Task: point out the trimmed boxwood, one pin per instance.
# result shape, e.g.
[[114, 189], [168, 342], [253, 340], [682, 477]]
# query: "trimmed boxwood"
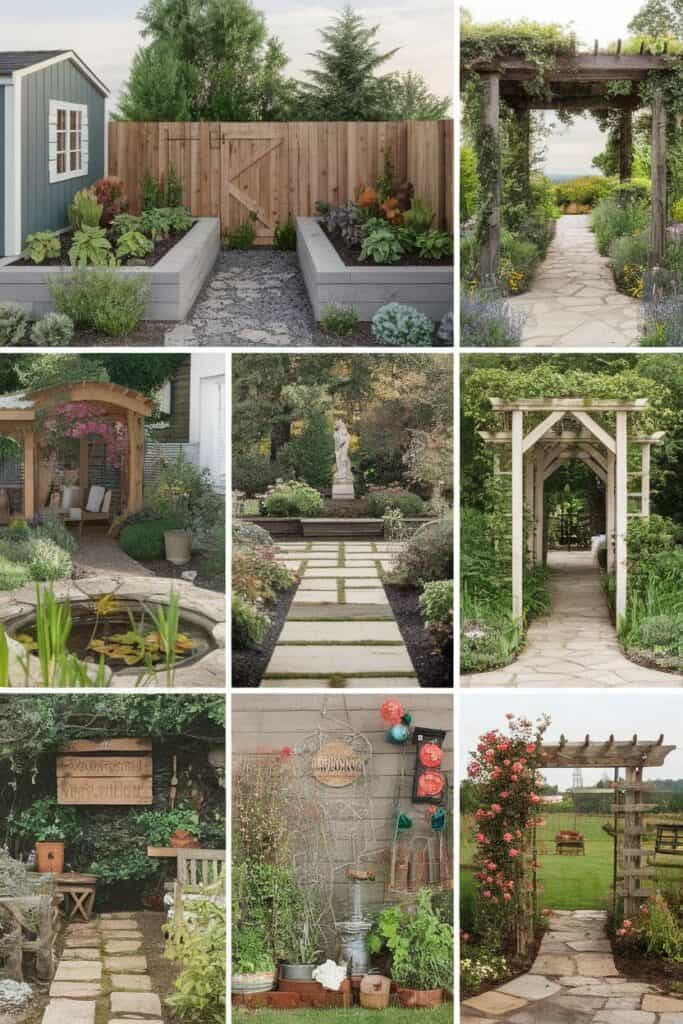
[[395, 497], [144, 541]]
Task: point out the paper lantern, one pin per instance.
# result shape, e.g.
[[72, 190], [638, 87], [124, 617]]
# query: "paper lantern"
[[392, 711], [430, 755], [430, 784]]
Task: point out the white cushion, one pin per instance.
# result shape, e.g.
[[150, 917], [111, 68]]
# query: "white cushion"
[[106, 504], [75, 513], [95, 498], [71, 496]]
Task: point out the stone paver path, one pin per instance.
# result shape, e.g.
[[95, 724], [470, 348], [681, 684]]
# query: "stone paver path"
[[574, 980], [576, 645], [101, 553], [102, 975], [573, 300], [340, 629]]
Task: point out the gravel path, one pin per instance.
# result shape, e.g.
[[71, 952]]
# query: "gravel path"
[[99, 552]]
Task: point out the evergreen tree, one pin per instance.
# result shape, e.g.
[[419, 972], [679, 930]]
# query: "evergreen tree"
[[407, 98], [314, 450], [158, 87]]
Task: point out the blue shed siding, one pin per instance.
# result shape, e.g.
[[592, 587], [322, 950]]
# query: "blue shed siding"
[[2, 170], [44, 206]]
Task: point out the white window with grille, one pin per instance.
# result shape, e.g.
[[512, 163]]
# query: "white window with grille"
[[68, 140]]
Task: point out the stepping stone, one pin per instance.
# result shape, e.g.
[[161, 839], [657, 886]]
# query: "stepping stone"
[[75, 990], [147, 1004], [307, 584], [316, 597], [591, 946], [81, 954], [341, 574], [365, 683], [86, 941], [119, 936], [70, 1011], [118, 925], [624, 1017], [495, 1003], [122, 946], [125, 963], [132, 982], [366, 596], [555, 965], [596, 965], [671, 1018], [78, 970], [530, 987], [662, 1004], [347, 660], [341, 632], [119, 915]]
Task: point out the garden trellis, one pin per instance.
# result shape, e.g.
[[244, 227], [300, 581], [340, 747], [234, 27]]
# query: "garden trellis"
[[568, 429], [572, 82]]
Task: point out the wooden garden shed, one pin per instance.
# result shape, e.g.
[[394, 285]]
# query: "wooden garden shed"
[[52, 140], [23, 416]]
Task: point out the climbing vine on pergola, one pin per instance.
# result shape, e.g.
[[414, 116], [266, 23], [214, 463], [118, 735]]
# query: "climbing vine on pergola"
[[527, 74]]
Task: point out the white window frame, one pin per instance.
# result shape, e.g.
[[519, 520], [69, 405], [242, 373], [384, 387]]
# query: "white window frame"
[[80, 108]]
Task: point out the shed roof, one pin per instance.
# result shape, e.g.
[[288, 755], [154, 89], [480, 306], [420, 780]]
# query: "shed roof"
[[17, 60]]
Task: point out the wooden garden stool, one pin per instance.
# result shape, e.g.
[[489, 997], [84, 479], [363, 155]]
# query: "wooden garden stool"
[[81, 890]]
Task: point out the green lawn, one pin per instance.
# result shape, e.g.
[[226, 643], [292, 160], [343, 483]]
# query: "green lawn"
[[444, 1015], [567, 882]]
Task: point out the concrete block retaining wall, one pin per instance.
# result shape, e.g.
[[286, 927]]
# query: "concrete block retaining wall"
[[175, 281], [367, 288]]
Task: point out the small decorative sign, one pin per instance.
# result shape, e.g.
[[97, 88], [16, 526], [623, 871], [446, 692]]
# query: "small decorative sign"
[[108, 772], [337, 764], [429, 784]]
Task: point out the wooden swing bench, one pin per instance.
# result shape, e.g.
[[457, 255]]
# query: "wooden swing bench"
[[571, 843]]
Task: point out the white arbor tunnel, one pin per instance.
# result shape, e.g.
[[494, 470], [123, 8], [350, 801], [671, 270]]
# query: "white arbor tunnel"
[[538, 436]]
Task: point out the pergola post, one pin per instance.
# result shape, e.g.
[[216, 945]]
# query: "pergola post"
[[29, 474], [539, 511], [83, 448], [529, 503], [136, 462], [625, 145], [490, 246], [621, 519], [610, 509], [645, 480], [658, 228], [517, 514]]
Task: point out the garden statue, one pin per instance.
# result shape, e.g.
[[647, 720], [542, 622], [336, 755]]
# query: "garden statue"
[[342, 481]]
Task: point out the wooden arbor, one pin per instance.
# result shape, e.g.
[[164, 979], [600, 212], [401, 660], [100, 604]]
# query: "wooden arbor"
[[21, 418], [578, 82], [565, 429], [631, 869]]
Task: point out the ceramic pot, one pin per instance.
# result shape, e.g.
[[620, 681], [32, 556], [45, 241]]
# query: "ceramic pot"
[[245, 984], [178, 544], [415, 998], [50, 858], [297, 972], [182, 840]]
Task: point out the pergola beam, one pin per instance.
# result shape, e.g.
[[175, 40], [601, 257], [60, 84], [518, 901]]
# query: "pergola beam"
[[617, 754], [581, 67], [568, 404]]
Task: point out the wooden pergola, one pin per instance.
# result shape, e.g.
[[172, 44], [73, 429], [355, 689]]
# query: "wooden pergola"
[[569, 430], [21, 418], [632, 872], [575, 83]]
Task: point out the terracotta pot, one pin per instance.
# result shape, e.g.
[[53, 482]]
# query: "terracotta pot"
[[182, 840], [245, 984], [178, 544], [415, 998], [50, 858]]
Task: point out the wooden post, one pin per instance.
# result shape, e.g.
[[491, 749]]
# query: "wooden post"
[[539, 510], [658, 229], [83, 470], [29, 474], [523, 132], [490, 249], [136, 462], [517, 514], [610, 509], [621, 522], [625, 145], [645, 480], [529, 503]]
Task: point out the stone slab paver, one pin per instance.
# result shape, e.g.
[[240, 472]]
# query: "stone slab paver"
[[127, 964], [132, 982], [70, 1011], [122, 946], [344, 659], [530, 987], [576, 645], [78, 970], [573, 301], [145, 1003], [75, 990], [495, 1002], [663, 1004], [341, 632]]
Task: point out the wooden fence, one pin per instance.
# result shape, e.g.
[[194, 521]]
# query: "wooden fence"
[[276, 170]]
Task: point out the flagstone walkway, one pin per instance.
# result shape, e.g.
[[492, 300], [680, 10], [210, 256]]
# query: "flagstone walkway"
[[340, 630], [576, 645], [573, 300], [574, 980], [102, 975]]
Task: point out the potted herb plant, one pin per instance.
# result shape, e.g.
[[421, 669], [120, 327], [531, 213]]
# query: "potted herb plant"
[[304, 954], [49, 827], [253, 966], [178, 828], [421, 946]]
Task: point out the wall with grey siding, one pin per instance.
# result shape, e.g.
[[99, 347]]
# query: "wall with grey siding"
[[44, 205], [2, 170], [263, 723]]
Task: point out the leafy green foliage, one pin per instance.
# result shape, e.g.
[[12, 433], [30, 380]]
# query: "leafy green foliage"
[[284, 236], [85, 211], [434, 245], [53, 329], [133, 245], [101, 300], [13, 323], [409, 504], [144, 541], [610, 220], [243, 236], [156, 223], [585, 191], [293, 498], [339, 320], [468, 183], [436, 605], [395, 324], [249, 623], [43, 245], [199, 945], [418, 217], [313, 450], [420, 943], [159, 826], [382, 245], [427, 556], [46, 821], [250, 954], [90, 247]]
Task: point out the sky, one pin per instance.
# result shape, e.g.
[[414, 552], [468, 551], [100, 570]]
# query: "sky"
[[106, 35], [570, 150], [575, 713]]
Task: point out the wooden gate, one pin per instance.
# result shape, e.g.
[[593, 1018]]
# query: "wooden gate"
[[254, 171]]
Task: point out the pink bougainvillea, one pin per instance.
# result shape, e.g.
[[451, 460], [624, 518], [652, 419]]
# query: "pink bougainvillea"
[[507, 772], [76, 420]]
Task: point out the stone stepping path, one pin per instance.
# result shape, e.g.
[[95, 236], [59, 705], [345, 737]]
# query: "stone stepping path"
[[573, 300], [576, 645], [573, 980], [340, 629], [102, 975]]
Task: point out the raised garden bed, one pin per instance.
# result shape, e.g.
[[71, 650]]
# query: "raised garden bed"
[[174, 282], [280, 526], [161, 247], [350, 255], [367, 287]]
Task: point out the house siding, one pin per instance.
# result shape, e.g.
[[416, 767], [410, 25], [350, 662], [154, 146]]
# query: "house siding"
[[44, 205], [2, 170]]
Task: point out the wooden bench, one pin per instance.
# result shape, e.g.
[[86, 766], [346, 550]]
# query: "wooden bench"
[[571, 843]]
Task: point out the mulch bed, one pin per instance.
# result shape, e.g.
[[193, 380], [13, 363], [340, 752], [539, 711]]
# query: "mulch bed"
[[161, 247], [249, 666], [654, 970], [162, 972], [350, 255], [434, 666], [167, 570]]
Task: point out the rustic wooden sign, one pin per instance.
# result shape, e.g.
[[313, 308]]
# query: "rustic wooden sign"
[[337, 765], [105, 772]]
